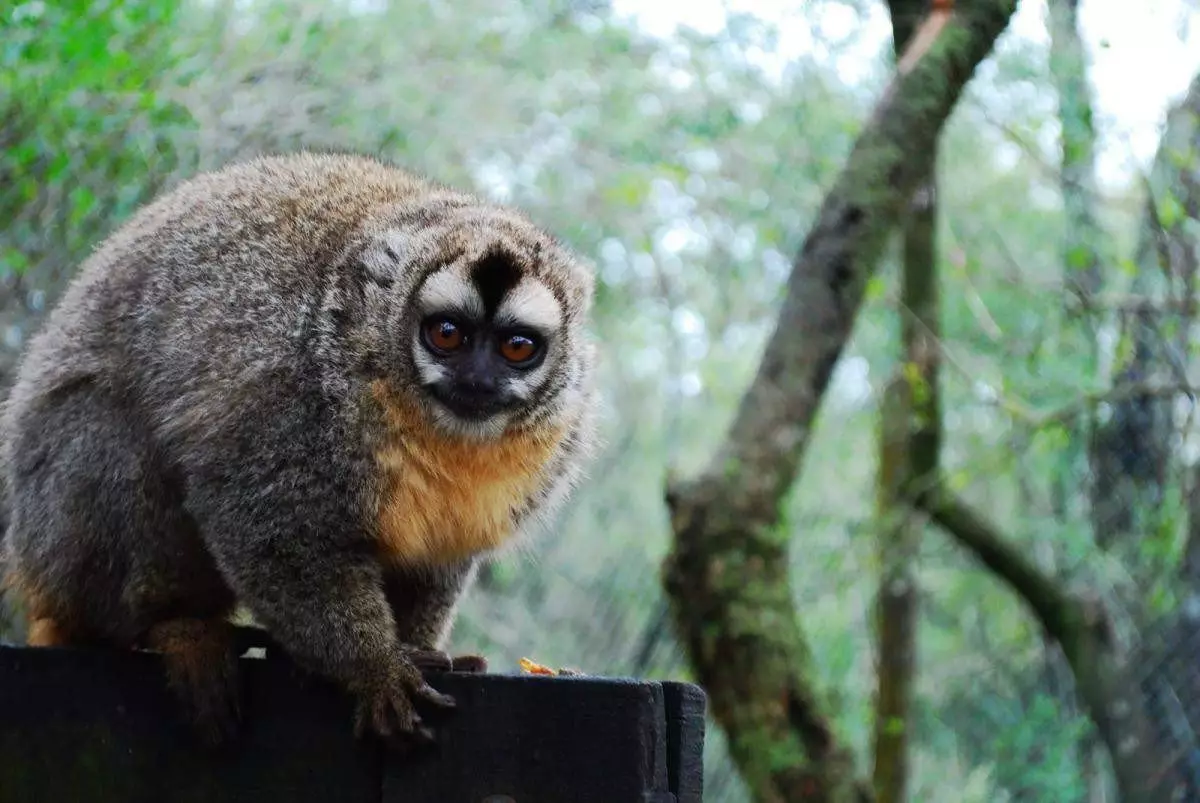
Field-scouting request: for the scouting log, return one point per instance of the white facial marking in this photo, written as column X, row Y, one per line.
column 428, row 371
column 523, row 387
column 449, row 289
column 486, row 429
column 530, row 303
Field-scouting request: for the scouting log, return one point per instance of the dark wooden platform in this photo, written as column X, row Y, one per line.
column 82, row 726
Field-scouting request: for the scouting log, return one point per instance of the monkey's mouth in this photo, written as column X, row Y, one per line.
column 471, row 404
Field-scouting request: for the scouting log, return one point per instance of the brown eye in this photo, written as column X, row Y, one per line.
column 518, row 348
column 443, row 334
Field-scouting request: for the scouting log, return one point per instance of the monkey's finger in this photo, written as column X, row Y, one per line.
column 381, row 725
column 368, row 717
column 413, row 680
column 410, row 731
column 412, row 727
column 426, row 693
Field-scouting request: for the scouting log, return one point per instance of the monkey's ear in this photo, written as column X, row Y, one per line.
column 382, row 258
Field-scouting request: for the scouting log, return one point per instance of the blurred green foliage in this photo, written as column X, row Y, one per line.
column 85, row 124
column 688, row 173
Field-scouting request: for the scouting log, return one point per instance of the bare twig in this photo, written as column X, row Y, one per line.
column 1078, row 406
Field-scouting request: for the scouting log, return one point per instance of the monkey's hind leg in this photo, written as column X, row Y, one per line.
column 102, row 551
column 202, row 670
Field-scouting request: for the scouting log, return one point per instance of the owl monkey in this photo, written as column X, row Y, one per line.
column 314, row 387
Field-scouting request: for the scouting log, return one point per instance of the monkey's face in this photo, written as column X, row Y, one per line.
column 492, row 342
column 478, row 358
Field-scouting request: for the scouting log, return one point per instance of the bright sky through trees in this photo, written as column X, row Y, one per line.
column 1143, row 52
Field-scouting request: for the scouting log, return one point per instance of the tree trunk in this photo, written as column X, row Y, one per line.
column 899, row 530
column 1083, row 257
column 1132, row 451
column 910, row 440
column 727, row 572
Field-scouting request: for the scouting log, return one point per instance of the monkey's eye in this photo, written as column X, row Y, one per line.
column 518, row 349
column 442, row 334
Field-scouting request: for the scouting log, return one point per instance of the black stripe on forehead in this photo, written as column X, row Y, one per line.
column 494, row 277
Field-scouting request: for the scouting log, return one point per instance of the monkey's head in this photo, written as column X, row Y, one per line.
column 485, row 317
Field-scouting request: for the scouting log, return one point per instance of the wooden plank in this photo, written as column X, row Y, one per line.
column 80, row 725
column 684, row 707
column 101, row 726
column 542, row 740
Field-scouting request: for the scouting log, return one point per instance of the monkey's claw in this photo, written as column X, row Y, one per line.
column 389, row 709
column 392, row 720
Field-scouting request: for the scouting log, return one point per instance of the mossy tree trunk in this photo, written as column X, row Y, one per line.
column 726, row 574
column 898, row 527
column 910, row 436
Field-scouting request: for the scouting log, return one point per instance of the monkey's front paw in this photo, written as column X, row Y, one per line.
column 388, row 708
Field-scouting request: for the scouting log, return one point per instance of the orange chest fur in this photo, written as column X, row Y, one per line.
column 444, row 498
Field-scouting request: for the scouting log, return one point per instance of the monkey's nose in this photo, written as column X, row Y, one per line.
column 477, row 386
column 475, row 397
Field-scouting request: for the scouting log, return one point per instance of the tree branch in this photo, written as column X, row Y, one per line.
column 727, row 571
column 1078, row 406
column 1080, row 624
column 1039, row 590
column 891, row 157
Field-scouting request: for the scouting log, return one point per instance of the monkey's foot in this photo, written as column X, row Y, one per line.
column 470, row 663
column 386, row 706
column 202, row 671
column 46, row 632
column 439, row 661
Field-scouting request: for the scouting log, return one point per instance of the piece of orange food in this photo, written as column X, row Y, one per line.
column 534, row 668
